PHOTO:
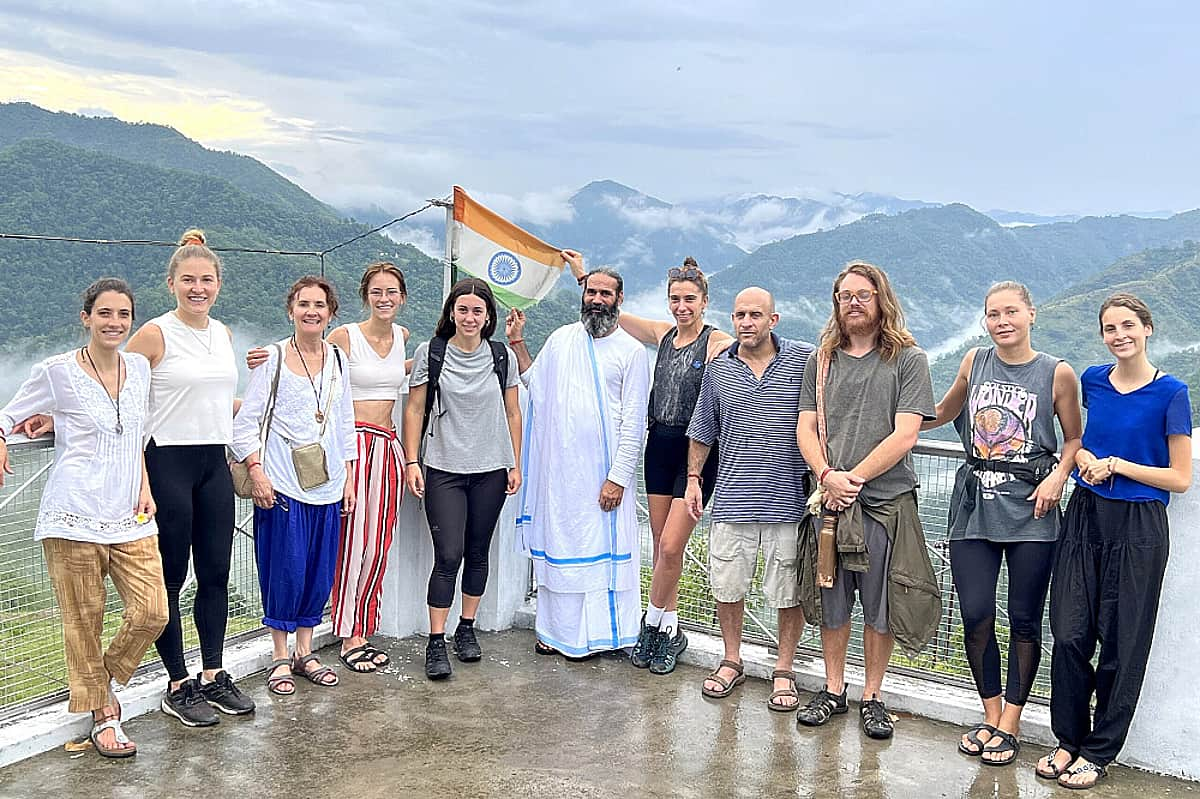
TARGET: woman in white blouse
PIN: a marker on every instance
(296, 517)
(97, 515)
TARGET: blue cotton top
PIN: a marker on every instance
(1133, 427)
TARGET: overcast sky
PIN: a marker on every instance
(1051, 107)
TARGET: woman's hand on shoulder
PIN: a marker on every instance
(718, 342)
(256, 357)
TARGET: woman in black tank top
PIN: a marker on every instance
(684, 348)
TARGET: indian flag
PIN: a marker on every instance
(520, 267)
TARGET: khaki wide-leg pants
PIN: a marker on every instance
(77, 571)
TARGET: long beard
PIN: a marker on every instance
(598, 319)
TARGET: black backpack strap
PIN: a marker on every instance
(500, 363)
(437, 357)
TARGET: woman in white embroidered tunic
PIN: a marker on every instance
(297, 517)
(97, 515)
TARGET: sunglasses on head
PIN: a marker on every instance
(684, 273)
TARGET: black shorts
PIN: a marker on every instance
(666, 463)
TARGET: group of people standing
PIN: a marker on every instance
(804, 451)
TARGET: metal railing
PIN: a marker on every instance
(944, 660)
(32, 664)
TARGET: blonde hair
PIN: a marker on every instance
(893, 336)
(1009, 285)
(192, 244)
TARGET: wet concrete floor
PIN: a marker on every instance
(523, 725)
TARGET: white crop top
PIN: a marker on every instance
(372, 377)
(192, 387)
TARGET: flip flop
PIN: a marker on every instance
(1087, 767)
(1054, 772)
(115, 753)
(358, 656)
(727, 686)
(780, 707)
(1008, 743)
(973, 737)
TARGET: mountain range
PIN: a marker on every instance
(101, 178)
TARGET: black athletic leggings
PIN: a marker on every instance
(194, 493)
(975, 564)
(462, 510)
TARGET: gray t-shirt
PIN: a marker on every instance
(862, 397)
(468, 429)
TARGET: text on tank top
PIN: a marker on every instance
(677, 376)
(373, 377)
(1009, 413)
(193, 385)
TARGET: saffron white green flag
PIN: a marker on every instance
(520, 267)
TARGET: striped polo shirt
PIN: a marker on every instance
(760, 472)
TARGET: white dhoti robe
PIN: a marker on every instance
(586, 424)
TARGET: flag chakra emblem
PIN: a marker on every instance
(504, 269)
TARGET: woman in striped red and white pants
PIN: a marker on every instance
(378, 378)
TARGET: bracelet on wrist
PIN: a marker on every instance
(698, 476)
(252, 464)
(581, 279)
(412, 463)
(512, 341)
(824, 473)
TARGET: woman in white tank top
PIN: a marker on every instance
(193, 378)
(378, 378)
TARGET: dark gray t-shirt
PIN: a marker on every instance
(862, 397)
(471, 436)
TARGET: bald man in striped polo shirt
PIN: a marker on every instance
(749, 403)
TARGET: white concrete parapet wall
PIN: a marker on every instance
(1163, 736)
(403, 610)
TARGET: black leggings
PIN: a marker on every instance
(462, 510)
(975, 564)
(194, 493)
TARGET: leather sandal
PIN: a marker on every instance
(1088, 767)
(782, 693)
(359, 659)
(727, 686)
(1053, 772)
(115, 752)
(973, 736)
(318, 676)
(284, 684)
(1008, 744)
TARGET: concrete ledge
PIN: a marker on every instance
(903, 694)
(51, 727)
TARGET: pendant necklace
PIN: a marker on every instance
(318, 384)
(206, 344)
(119, 428)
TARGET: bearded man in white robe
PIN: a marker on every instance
(583, 438)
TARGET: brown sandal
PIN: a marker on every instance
(284, 684)
(317, 676)
(780, 707)
(727, 686)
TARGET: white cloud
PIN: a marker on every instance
(422, 238)
(538, 207)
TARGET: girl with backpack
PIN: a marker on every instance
(462, 435)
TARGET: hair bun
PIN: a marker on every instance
(690, 261)
(193, 236)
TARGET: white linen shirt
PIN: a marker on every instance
(294, 424)
(92, 492)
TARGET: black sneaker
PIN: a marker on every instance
(187, 704)
(876, 721)
(437, 662)
(640, 655)
(466, 647)
(666, 650)
(821, 708)
(226, 697)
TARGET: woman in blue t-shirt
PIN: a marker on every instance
(1113, 547)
